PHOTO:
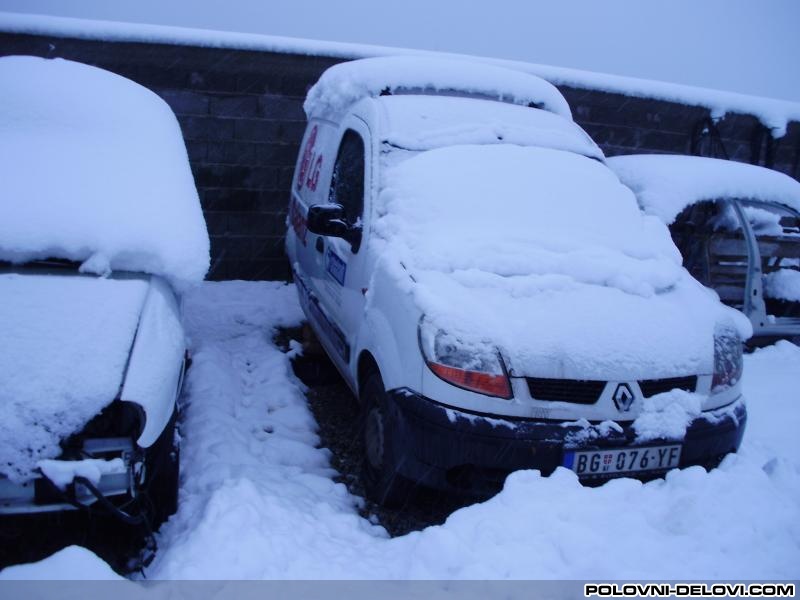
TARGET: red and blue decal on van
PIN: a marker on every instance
(298, 220)
(310, 164)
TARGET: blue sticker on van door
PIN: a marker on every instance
(335, 266)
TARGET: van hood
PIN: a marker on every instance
(66, 342)
(544, 254)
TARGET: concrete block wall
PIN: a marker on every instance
(242, 119)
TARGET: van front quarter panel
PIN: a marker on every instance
(390, 330)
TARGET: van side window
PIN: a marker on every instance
(347, 182)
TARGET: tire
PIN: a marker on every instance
(162, 476)
(383, 484)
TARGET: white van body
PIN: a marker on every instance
(383, 295)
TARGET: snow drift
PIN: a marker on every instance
(93, 168)
(666, 184)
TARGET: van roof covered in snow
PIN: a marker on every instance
(344, 84)
(421, 123)
(666, 184)
(93, 168)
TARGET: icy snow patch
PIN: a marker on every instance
(666, 184)
(93, 168)
(346, 83)
(783, 284)
(63, 472)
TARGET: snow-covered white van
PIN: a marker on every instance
(737, 227)
(491, 292)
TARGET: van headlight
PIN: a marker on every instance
(477, 367)
(727, 359)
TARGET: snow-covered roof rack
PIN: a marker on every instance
(346, 83)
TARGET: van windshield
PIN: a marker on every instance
(511, 211)
(418, 122)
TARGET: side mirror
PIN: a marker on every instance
(330, 220)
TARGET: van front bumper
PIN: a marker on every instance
(450, 449)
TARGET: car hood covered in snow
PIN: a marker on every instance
(545, 254)
(66, 342)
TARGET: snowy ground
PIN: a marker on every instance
(258, 499)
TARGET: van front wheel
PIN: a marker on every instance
(384, 485)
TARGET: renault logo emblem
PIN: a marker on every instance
(623, 397)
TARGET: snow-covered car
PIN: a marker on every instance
(100, 228)
(737, 227)
(492, 293)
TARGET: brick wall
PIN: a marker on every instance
(242, 119)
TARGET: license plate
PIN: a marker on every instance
(591, 463)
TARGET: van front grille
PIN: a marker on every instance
(651, 387)
(577, 391)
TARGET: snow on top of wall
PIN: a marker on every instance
(773, 113)
(344, 84)
(93, 168)
(666, 184)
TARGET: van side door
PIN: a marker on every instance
(309, 187)
(342, 279)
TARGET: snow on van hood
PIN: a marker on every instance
(66, 340)
(545, 254)
(345, 84)
(666, 184)
(93, 168)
